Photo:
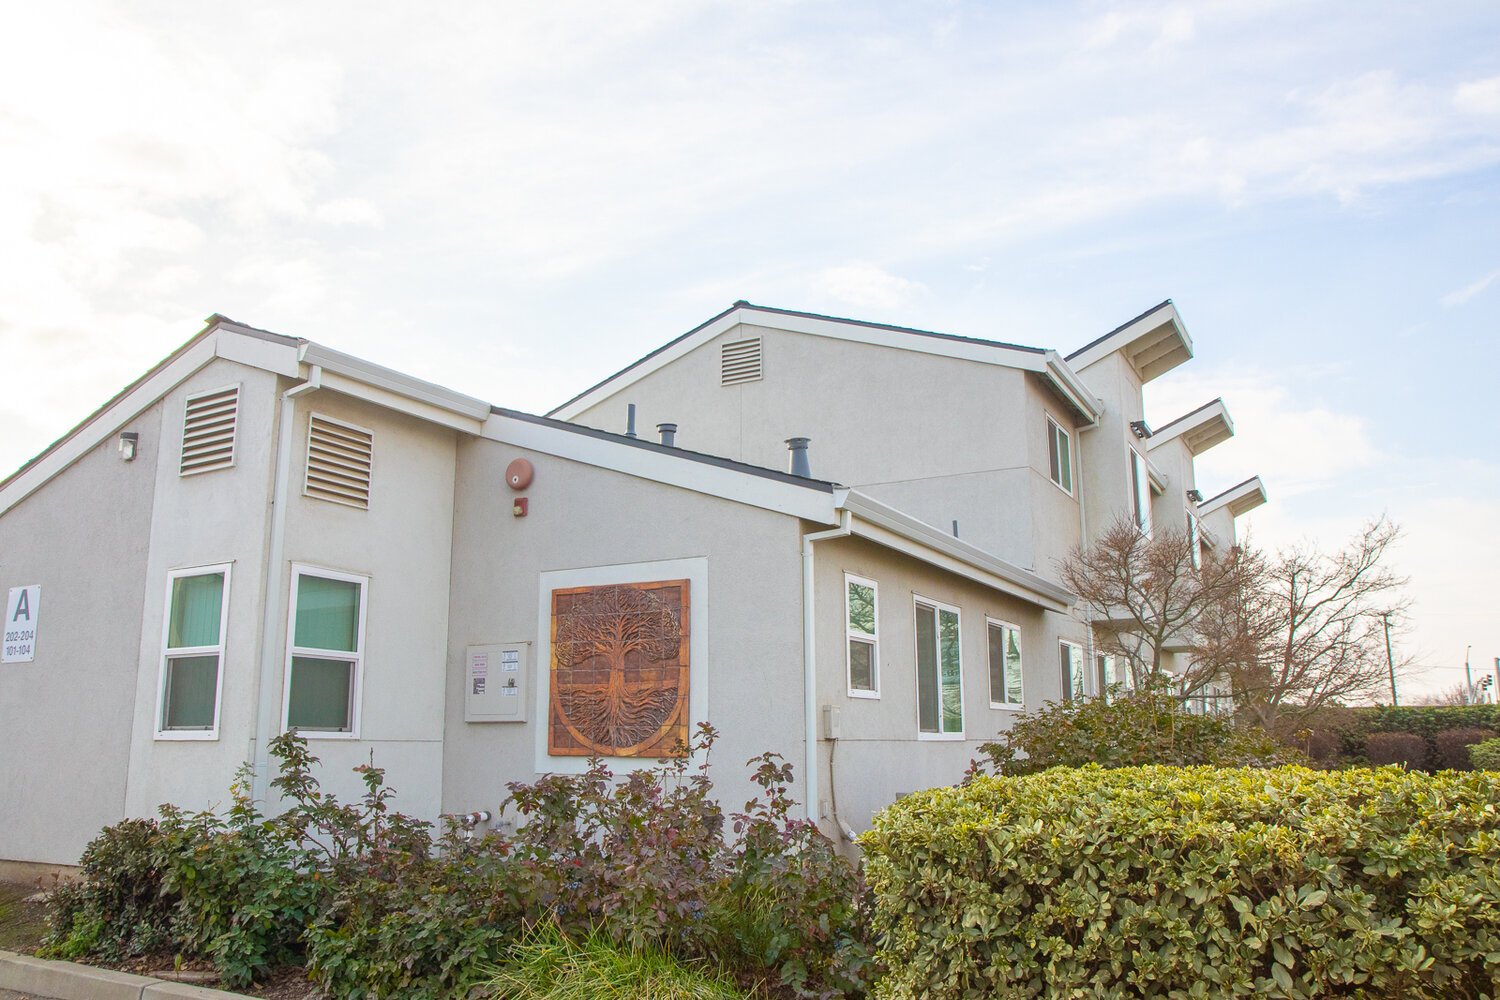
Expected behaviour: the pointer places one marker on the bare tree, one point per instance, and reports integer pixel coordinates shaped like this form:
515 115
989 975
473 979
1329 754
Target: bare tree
1306 630
1145 595
1458 694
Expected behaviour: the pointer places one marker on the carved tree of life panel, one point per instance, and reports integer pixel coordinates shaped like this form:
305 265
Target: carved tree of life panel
619 685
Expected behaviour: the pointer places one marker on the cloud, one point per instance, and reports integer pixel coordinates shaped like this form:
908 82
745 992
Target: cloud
349 212
1464 294
1297 445
1479 97
868 286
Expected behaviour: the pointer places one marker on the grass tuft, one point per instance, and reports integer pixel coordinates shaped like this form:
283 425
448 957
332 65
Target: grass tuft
549 966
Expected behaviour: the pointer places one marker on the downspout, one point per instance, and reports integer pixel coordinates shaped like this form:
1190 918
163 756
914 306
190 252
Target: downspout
264 715
809 659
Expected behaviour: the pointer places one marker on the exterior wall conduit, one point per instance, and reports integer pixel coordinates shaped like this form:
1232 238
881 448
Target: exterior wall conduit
809 658
263 720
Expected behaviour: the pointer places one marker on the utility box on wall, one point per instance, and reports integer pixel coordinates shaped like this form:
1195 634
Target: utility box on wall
496 679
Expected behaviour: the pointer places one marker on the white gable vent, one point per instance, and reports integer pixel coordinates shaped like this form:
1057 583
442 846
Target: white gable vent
338 462
740 362
208 425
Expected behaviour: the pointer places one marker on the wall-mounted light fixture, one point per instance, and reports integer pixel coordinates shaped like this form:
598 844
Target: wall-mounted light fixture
128 442
1140 429
1195 496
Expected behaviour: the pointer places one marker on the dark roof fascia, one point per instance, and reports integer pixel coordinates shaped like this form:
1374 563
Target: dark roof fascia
1185 416
214 322
1223 493
820 485
1136 319
800 315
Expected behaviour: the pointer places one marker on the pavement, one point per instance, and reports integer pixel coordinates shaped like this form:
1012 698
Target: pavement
25 978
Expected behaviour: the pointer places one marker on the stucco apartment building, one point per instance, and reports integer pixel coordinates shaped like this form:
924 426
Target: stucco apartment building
263 533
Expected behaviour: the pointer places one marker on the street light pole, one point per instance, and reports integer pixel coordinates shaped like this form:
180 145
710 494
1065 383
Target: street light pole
1391 663
1468 675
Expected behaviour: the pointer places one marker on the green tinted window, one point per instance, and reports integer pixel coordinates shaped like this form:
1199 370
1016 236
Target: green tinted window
191 687
197 607
953 702
327 614
927 670
321 696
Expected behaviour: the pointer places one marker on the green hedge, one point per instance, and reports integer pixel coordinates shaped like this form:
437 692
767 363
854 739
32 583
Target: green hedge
1485 756
1191 882
1337 736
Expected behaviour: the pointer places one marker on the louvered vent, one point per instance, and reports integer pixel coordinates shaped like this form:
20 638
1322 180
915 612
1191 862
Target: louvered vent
208 427
740 362
338 462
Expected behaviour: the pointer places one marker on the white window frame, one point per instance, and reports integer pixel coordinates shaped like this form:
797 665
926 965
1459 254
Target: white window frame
1140 492
989 674
184 652
1054 430
938 606
1067 675
357 658
853 635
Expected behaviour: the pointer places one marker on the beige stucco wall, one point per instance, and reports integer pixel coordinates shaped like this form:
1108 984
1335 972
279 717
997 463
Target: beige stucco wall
940 438
402 543
880 755
65 719
581 517
214 517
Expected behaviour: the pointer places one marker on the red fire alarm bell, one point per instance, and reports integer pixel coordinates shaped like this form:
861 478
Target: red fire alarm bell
518 474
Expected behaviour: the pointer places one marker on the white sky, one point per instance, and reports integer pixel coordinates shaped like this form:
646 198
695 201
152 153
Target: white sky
515 200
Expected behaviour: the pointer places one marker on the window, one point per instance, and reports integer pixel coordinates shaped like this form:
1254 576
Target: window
1140 483
1113 671
1073 680
940 695
193 653
860 616
1195 541
327 627
1059 455
1005 665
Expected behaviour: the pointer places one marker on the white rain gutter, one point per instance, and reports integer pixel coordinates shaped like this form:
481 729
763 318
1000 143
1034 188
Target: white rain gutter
264 715
809 659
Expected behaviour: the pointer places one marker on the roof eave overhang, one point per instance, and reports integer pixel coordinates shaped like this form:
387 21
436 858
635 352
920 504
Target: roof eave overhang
394 390
1204 428
1238 500
1153 344
893 529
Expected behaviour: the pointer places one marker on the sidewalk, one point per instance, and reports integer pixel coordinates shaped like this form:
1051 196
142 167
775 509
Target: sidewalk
25 978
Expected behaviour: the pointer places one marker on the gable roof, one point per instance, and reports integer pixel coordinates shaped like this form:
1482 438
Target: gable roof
1199 429
1240 498
1153 343
1048 364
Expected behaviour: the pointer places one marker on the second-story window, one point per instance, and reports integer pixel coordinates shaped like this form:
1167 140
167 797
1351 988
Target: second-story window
1059 455
1140 486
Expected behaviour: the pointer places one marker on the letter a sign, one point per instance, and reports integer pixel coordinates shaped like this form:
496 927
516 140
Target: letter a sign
22 608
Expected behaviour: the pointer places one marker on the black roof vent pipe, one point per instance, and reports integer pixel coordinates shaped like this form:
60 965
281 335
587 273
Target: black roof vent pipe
796 457
668 434
630 420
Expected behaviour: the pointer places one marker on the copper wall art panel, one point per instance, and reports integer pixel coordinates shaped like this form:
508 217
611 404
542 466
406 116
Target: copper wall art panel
619 678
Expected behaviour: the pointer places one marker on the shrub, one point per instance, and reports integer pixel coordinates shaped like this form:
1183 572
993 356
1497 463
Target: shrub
1191 882
1451 746
1142 728
120 908
1485 756
549 966
1407 749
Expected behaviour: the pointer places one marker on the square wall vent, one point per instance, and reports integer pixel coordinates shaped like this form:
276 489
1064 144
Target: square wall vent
208 426
740 362
338 462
